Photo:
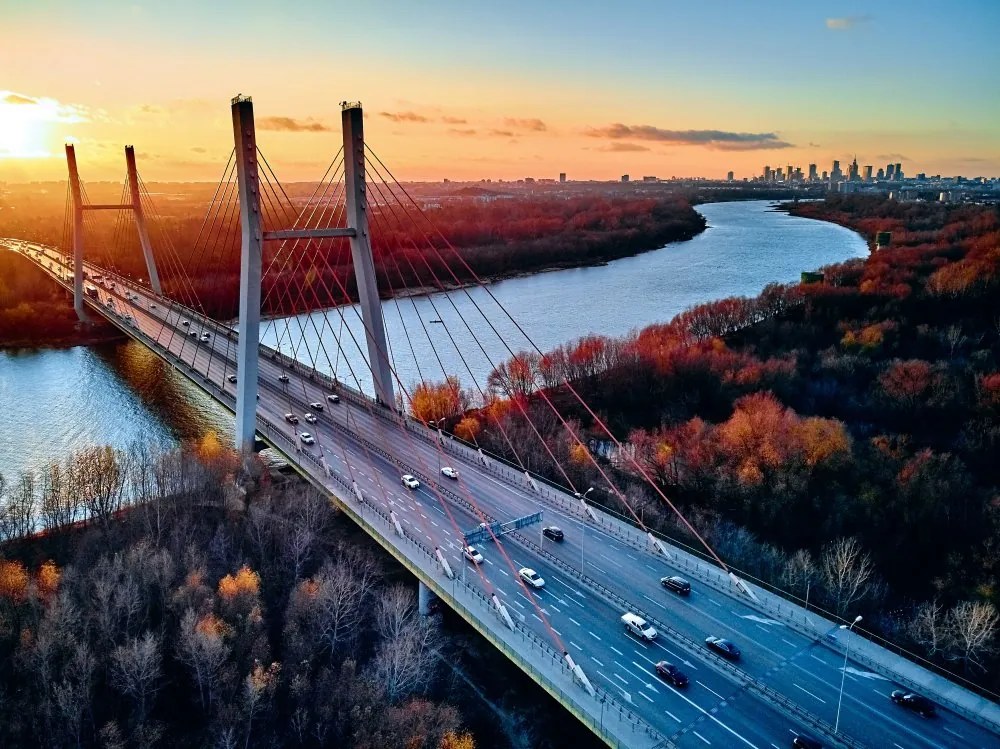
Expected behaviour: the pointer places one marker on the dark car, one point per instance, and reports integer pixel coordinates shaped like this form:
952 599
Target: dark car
920 705
670 672
283 378
231 378
723 647
805 741
677 584
554 533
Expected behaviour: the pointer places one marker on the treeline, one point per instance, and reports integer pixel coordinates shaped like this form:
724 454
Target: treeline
222 611
864 407
457 242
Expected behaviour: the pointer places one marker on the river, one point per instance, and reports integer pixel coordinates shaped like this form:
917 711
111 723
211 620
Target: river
55 401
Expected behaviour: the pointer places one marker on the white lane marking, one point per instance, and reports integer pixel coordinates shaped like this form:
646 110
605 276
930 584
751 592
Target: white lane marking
632 556
537 617
895 744
552 606
817 658
507 574
617 650
711 717
594 659
603 572
593 635
620 678
851 671
573 620
714 603
643 694
953 733
788 642
711 690
650 567
702 737
557 631
672 715
576 646
809 693
616 564
758 619
434 523
518 604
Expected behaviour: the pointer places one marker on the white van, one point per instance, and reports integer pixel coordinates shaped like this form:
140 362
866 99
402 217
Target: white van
639 627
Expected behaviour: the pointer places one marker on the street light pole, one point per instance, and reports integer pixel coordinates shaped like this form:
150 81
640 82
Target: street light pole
843 673
583 526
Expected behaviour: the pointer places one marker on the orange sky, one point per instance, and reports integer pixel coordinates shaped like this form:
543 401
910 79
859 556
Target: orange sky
502 93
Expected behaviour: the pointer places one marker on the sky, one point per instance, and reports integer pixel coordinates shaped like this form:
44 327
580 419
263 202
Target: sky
472 90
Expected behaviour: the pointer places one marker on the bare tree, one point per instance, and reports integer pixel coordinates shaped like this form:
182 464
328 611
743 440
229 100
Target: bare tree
101 475
202 649
405 664
847 570
136 670
58 505
928 627
972 626
19 510
394 610
800 574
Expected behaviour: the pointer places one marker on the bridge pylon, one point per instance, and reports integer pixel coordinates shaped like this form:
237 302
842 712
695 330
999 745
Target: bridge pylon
251 259
79 206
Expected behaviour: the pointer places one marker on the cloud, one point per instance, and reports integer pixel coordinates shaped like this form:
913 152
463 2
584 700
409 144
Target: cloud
531 123
813 145
718 140
454 121
291 125
622 147
12 98
502 133
892 156
460 131
846 23
199 149
404 116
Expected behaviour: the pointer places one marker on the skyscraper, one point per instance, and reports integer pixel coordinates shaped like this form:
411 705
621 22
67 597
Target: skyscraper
767 173
562 176
812 172
868 173
835 174
899 171
729 176
890 172
852 173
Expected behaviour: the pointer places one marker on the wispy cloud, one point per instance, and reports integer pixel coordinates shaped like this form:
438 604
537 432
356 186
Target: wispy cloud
199 149
502 133
462 131
454 121
404 116
718 140
12 98
847 22
292 125
531 123
622 147
892 156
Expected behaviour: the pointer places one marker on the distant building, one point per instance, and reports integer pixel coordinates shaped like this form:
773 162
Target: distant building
835 174
899 172
562 176
788 173
890 172
624 178
729 176
881 174
852 173
868 173
650 179
812 172
767 174
825 176
529 180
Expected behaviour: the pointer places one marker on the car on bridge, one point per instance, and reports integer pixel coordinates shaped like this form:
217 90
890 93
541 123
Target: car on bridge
678 585
670 672
307 439
449 472
193 333
311 418
282 378
152 306
531 577
553 533
205 336
725 648
316 406
333 398
636 625
232 378
410 482
912 701
472 554
806 741
291 418
185 323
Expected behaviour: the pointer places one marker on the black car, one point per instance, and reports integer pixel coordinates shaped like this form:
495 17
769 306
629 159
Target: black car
231 378
677 584
723 647
552 532
805 741
670 672
283 378
920 705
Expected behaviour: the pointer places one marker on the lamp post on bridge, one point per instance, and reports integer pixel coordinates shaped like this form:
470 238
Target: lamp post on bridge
583 531
843 673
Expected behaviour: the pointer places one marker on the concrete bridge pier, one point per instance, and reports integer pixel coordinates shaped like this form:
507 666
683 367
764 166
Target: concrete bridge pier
425 599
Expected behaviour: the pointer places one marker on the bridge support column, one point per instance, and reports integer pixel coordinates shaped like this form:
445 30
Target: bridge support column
361 253
74 186
425 599
140 220
247 352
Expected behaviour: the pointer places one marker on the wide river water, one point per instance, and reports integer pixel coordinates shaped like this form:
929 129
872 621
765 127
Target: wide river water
55 401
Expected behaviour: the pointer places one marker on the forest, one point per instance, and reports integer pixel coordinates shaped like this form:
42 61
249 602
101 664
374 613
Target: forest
455 241
836 439
226 609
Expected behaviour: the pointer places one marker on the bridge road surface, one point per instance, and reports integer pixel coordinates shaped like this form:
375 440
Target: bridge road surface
713 710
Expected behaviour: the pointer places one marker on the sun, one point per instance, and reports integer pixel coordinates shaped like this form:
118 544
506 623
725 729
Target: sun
25 123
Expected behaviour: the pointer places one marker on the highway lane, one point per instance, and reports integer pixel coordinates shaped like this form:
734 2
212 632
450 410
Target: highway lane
773 651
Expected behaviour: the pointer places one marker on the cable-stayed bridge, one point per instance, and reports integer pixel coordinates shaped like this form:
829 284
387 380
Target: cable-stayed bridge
798 674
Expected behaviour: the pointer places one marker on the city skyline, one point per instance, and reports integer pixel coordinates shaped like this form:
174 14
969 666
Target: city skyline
666 91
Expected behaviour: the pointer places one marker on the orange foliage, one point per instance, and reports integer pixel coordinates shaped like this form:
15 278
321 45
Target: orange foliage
47 578
13 580
431 401
823 439
452 740
468 429
989 390
579 454
212 626
907 381
246 581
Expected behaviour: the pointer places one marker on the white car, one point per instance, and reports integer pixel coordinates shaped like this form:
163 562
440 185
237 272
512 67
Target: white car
152 306
316 406
307 439
311 418
531 577
205 336
410 482
333 398
449 472
472 554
